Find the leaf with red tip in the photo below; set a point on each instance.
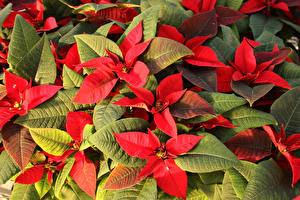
(31, 175)
(76, 122)
(168, 85)
(84, 173)
(251, 145)
(271, 77)
(191, 105)
(228, 16)
(218, 121)
(95, 87)
(204, 56)
(171, 178)
(132, 38)
(170, 32)
(137, 75)
(39, 94)
(182, 144)
(18, 143)
(15, 86)
(142, 94)
(244, 58)
(138, 144)
(165, 122)
(5, 115)
(123, 177)
(134, 52)
(252, 6)
(201, 24)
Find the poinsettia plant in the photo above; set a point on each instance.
(148, 99)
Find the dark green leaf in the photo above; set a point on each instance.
(289, 72)
(7, 168)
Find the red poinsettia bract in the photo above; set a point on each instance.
(168, 92)
(256, 5)
(21, 97)
(285, 146)
(99, 84)
(161, 164)
(250, 67)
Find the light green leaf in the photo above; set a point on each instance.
(289, 72)
(149, 17)
(207, 156)
(38, 64)
(93, 46)
(4, 12)
(23, 38)
(235, 182)
(42, 187)
(106, 112)
(52, 113)
(104, 29)
(71, 78)
(87, 132)
(234, 4)
(7, 168)
(260, 23)
(62, 176)
(24, 192)
(286, 110)
(53, 141)
(146, 190)
(227, 188)
(91, 7)
(106, 142)
(163, 52)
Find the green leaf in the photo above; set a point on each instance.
(289, 72)
(71, 78)
(106, 142)
(207, 156)
(92, 7)
(227, 188)
(93, 46)
(146, 190)
(234, 183)
(246, 170)
(294, 26)
(87, 132)
(149, 17)
(230, 37)
(53, 141)
(80, 28)
(223, 50)
(250, 94)
(163, 52)
(105, 112)
(24, 192)
(7, 168)
(52, 113)
(23, 38)
(268, 182)
(42, 187)
(286, 110)
(260, 23)
(38, 64)
(244, 118)
(104, 29)
(4, 12)
(209, 178)
(62, 176)
(169, 12)
(234, 4)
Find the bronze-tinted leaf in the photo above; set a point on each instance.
(250, 94)
(227, 15)
(18, 143)
(191, 105)
(123, 177)
(2, 91)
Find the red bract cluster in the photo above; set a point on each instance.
(147, 99)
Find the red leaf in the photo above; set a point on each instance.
(295, 165)
(76, 122)
(251, 145)
(31, 175)
(18, 143)
(39, 94)
(152, 165)
(95, 87)
(49, 24)
(244, 58)
(191, 105)
(204, 56)
(193, 5)
(15, 86)
(293, 142)
(252, 6)
(271, 77)
(165, 122)
(98, 63)
(171, 178)
(72, 59)
(196, 41)
(135, 102)
(182, 144)
(227, 15)
(174, 97)
(138, 144)
(142, 94)
(218, 121)
(224, 76)
(84, 173)
(134, 52)
(132, 38)
(170, 32)
(168, 85)
(137, 75)
(5, 115)
(123, 177)
(10, 19)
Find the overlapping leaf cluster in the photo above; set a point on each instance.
(150, 99)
